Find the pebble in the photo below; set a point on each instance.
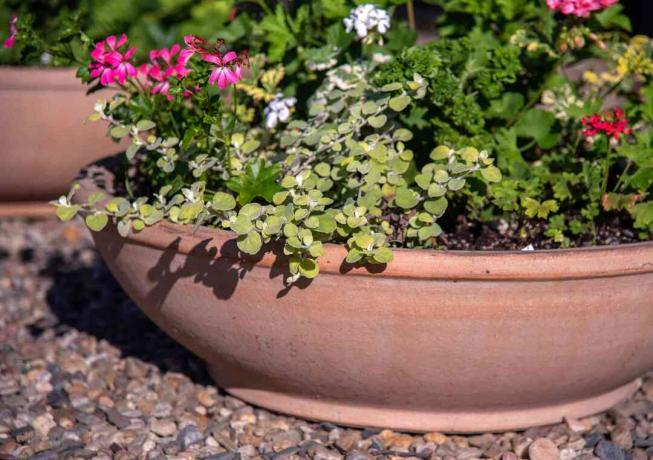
(163, 427)
(189, 436)
(608, 451)
(543, 449)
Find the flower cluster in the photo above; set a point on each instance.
(612, 123)
(228, 64)
(580, 8)
(13, 30)
(366, 18)
(278, 110)
(163, 69)
(109, 63)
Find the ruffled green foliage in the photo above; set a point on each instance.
(501, 84)
(464, 80)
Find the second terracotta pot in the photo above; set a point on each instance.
(44, 136)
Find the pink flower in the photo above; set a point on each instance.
(164, 69)
(101, 67)
(580, 8)
(109, 63)
(194, 45)
(13, 30)
(228, 69)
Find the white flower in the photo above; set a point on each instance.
(278, 110)
(366, 18)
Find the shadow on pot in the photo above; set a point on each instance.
(221, 270)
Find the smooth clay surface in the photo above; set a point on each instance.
(436, 341)
(44, 136)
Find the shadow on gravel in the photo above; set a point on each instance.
(86, 297)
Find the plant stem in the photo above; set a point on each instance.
(411, 15)
(606, 170)
(623, 175)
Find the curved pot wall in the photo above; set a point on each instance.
(45, 138)
(448, 341)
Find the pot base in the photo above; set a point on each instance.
(427, 421)
(35, 209)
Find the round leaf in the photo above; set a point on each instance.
(223, 202)
(250, 243)
(97, 222)
(399, 103)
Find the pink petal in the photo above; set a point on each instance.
(214, 76)
(212, 58)
(9, 43)
(223, 80)
(122, 41)
(111, 41)
(230, 56)
(185, 56)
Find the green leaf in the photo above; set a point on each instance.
(258, 181)
(354, 255)
(242, 225)
(391, 87)
(250, 243)
(537, 124)
(441, 152)
(278, 33)
(309, 268)
(132, 150)
(250, 146)
(643, 213)
(469, 154)
(145, 125)
(383, 255)
(369, 108)
(66, 213)
(399, 103)
(507, 107)
(612, 17)
(456, 184)
(431, 231)
(223, 202)
(436, 207)
(406, 198)
(119, 132)
(491, 173)
(97, 221)
(95, 198)
(378, 121)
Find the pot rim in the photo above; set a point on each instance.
(423, 264)
(35, 78)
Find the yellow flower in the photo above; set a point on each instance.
(636, 60)
(591, 78)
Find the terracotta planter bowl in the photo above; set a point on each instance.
(44, 137)
(448, 341)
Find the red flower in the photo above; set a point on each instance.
(612, 123)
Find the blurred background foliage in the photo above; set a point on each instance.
(252, 24)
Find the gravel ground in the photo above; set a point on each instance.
(84, 374)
